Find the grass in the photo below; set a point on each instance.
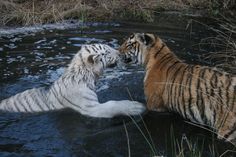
(185, 147)
(180, 147)
(176, 147)
(222, 46)
(30, 12)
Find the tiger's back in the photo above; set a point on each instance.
(32, 100)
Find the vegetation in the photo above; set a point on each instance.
(223, 46)
(28, 12)
(183, 146)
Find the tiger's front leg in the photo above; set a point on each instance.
(155, 103)
(114, 108)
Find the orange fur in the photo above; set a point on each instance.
(201, 94)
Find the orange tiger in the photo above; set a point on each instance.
(201, 94)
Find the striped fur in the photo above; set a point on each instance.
(76, 88)
(201, 94)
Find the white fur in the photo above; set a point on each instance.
(76, 89)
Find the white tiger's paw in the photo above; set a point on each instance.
(134, 108)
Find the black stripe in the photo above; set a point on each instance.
(22, 104)
(203, 96)
(206, 87)
(36, 101)
(81, 58)
(27, 102)
(216, 79)
(181, 91)
(173, 85)
(16, 105)
(39, 95)
(198, 105)
(229, 79)
(212, 80)
(190, 94)
(43, 96)
(164, 57)
(212, 106)
(231, 131)
(171, 67)
(56, 96)
(87, 49)
(99, 46)
(164, 60)
(177, 98)
(163, 45)
(19, 101)
(94, 50)
(59, 91)
(214, 116)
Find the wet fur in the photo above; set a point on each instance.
(76, 88)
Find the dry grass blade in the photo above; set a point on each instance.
(151, 144)
(226, 152)
(127, 136)
(205, 128)
(223, 44)
(29, 12)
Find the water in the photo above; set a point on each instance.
(36, 59)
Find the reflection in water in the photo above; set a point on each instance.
(38, 59)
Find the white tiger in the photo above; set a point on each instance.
(76, 88)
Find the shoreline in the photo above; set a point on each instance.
(67, 24)
(6, 31)
(28, 13)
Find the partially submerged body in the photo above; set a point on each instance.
(76, 88)
(201, 94)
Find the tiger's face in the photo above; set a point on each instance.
(135, 48)
(99, 56)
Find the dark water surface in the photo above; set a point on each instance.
(38, 59)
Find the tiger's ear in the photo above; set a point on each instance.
(93, 58)
(147, 39)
